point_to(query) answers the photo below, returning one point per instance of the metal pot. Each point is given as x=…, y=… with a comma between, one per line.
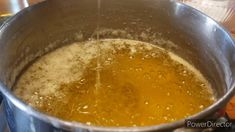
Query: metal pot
x=51, y=24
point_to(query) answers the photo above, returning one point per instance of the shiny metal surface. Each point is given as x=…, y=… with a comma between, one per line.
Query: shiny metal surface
x=222, y=11
x=12, y=6
x=199, y=40
x=9, y=7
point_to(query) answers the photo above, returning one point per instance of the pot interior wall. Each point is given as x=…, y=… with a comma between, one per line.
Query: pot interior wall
x=52, y=24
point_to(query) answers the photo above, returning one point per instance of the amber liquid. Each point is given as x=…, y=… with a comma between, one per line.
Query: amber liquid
x=140, y=85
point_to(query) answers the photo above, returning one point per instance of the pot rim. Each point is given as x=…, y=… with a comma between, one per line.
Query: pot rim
x=67, y=125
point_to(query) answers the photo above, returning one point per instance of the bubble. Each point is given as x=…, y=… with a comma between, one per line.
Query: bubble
x=189, y=93
x=88, y=123
x=147, y=56
x=146, y=102
x=134, y=23
x=85, y=107
x=184, y=72
x=186, y=115
x=151, y=117
x=153, y=54
x=138, y=69
x=82, y=81
x=201, y=106
x=167, y=108
x=141, y=48
x=111, y=120
x=147, y=76
x=165, y=118
x=122, y=70
x=107, y=62
x=131, y=57
x=202, y=85
x=109, y=59
x=160, y=76
x=158, y=106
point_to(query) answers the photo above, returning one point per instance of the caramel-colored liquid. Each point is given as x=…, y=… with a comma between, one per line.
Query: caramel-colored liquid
x=140, y=85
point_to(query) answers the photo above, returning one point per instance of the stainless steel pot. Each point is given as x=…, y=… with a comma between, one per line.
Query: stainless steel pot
x=54, y=23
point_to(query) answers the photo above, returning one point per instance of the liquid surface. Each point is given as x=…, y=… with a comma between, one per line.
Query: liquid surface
x=140, y=84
